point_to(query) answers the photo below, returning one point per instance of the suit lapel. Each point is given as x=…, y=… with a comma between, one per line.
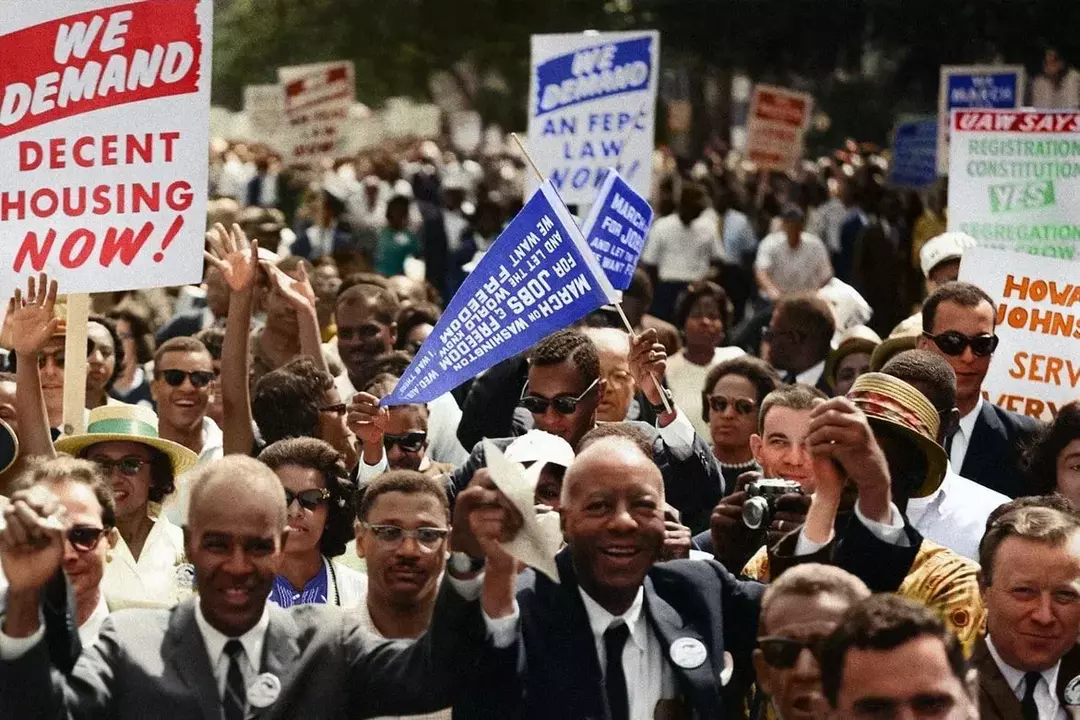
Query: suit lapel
x=188, y=657
x=984, y=434
x=280, y=652
x=994, y=692
x=571, y=641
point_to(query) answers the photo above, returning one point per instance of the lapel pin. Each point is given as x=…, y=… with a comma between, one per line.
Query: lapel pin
x=688, y=653
x=263, y=691
x=1072, y=691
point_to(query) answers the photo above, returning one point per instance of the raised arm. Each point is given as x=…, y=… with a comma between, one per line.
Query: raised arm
x=300, y=295
x=32, y=324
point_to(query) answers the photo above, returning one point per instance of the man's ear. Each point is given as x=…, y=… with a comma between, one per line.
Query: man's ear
x=755, y=447
x=980, y=577
x=393, y=334
x=113, y=536
x=763, y=672
x=950, y=421
x=358, y=533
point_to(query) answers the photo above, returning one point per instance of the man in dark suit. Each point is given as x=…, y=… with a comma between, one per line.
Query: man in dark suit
x=227, y=654
x=800, y=336
x=958, y=324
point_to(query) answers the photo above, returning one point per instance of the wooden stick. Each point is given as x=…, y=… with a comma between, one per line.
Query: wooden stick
x=78, y=311
x=525, y=152
x=659, y=387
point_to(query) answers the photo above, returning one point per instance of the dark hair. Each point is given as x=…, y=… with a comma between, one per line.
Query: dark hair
x=414, y=316
x=181, y=344
x=62, y=468
x=385, y=303
x=811, y=580
x=139, y=324
x=625, y=430
x=286, y=401
x=1034, y=522
x=795, y=397
x=393, y=363
x=403, y=481
x=162, y=479
x=118, y=348
x=812, y=316
x=929, y=373
x=214, y=340
x=963, y=294
x=883, y=622
x=1041, y=456
x=569, y=345
x=314, y=454
x=362, y=278
x=695, y=292
x=757, y=371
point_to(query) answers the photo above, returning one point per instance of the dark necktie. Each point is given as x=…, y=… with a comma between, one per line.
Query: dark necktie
x=791, y=378
x=235, y=698
x=614, y=677
x=1028, y=709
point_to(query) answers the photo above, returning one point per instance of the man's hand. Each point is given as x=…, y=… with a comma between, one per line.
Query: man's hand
x=791, y=510
x=483, y=518
x=648, y=361
x=32, y=540
x=733, y=543
x=31, y=319
x=233, y=256
x=368, y=422
x=296, y=291
x=676, y=541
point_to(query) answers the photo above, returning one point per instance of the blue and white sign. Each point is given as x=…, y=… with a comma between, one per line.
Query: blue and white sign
x=914, y=153
x=616, y=228
x=592, y=105
x=538, y=277
x=974, y=86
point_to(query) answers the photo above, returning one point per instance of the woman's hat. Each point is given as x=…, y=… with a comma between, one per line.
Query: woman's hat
x=127, y=423
x=904, y=336
x=891, y=403
x=857, y=339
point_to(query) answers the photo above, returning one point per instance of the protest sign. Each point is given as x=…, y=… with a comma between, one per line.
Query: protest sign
x=265, y=109
x=974, y=86
x=1036, y=368
x=539, y=276
x=776, y=127
x=1014, y=180
x=592, y=105
x=317, y=100
x=914, y=147
x=616, y=228
x=104, y=120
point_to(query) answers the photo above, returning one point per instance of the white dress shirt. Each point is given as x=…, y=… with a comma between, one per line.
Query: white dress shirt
x=649, y=678
x=811, y=375
x=89, y=630
x=682, y=253
x=955, y=514
x=1046, y=699
x=962, y=437
x=805, y=268
x=253, y=641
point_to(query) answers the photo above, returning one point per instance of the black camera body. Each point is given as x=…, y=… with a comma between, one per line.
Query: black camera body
x=758, y=511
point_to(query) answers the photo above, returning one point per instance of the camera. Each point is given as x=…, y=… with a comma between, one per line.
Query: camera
x=760, y=507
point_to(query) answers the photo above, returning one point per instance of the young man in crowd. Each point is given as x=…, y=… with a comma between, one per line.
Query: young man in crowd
x=791, y=261
x=400, y=436
x=958, y=323
x=799, y=336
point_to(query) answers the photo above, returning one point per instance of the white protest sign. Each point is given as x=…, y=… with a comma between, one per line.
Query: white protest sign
x=104, y=130
x=1014, y=180
x=317, y=101
x=776, y=127
x=974, y=86
x=1036, y=367
x=403, y=118
x=592, y=105
x=265, y=109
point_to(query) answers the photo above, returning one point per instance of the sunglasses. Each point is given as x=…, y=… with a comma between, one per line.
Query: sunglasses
x=128, y=466
x=84, y=538
x=409, y=442
x=308, y=499
x=743, y=406
x=427, y=537
x=60, y=356
x=199, y=378
x=782, y=652
x=563, y=404
x=336, y=409
x=953, y=343
x=768, y=334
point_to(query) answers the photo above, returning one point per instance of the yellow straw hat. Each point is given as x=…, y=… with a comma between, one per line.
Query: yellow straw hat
x=127, y=423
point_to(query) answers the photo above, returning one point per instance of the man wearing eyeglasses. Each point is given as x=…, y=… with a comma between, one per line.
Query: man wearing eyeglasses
x=958, y=324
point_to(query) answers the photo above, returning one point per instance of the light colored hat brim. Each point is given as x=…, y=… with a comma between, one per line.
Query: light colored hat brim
x=181, y=458
x=889, y=347
x=848, y=347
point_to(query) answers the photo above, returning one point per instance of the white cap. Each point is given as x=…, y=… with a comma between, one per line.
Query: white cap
x=539, y=445
x=946, y=246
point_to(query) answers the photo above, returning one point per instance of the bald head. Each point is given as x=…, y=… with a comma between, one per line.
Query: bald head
x=237, y=482
x=614, y=455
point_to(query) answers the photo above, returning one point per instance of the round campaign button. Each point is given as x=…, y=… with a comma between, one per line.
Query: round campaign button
x=1072, y=691
x=688, y=653
x=263, y=691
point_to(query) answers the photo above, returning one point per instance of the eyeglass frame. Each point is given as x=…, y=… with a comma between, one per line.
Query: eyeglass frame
x=550, y=403
x=390, y=440
x=290, y=496
x=967, y=341
x=100, y=533
x=406, y=533
x=187, y=375
x=732, y=402
x=108, y=465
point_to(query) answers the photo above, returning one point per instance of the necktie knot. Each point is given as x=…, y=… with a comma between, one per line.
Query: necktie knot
x=234, y=649
x=615, y=639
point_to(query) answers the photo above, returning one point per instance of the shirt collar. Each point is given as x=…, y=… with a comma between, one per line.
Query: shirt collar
x=89, y=630
x=811, y=375
x=252, y=640
x=938, y=496
x=600, y=619
x=1015, y=677
x=212, y=437
x=967, y=422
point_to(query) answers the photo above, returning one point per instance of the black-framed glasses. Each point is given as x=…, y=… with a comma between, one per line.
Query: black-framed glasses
x=954, y=343
x=127, y=466
x=199, y=378
x=309, y=499
x=409, y=442
x=59, y=356
x=769, y=334
x=743, y=406
x=392, y=535
x=563, y=404
x=783, y=652
x=336, y=408
x=85, y=538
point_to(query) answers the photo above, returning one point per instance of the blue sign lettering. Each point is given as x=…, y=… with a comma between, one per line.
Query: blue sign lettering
x=991, y=90
x=914, y=161
x=616, y=228
x=593, y=73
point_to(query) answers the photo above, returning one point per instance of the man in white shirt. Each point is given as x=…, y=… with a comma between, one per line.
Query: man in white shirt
x=1029, y=659
x=791, y=261
x=1058, y=88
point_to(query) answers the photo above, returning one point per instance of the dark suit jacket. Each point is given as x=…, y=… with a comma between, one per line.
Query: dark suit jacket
x=553, y=671
x=153, y=663
x=994, y=455
x=997, y=701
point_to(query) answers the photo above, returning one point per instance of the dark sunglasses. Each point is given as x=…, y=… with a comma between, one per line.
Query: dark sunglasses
x=953, y=343
x=336, y=409
x=409, y=442
x=743, y=406
x=308, y=499
x=782, y=652
x=84, y=538
x=768, y=334
x=563, y=404
x=60, y=356
x=199, y=378
x=128, y=466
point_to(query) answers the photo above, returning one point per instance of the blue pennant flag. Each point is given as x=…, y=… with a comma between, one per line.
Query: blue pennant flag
x=616, y=228
x=538, y=277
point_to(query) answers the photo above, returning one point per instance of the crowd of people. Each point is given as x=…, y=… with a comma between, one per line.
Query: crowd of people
x=784, y=495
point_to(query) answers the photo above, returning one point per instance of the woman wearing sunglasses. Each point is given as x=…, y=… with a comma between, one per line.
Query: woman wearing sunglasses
x=730, y=401
x=320, y=502
x=1053, y=460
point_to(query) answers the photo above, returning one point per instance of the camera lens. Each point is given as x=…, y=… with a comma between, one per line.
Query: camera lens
x=755, y=512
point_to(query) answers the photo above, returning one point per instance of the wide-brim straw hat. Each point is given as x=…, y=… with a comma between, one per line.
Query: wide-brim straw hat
x=892, y=403
x=858, y=339
x=127, y=423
